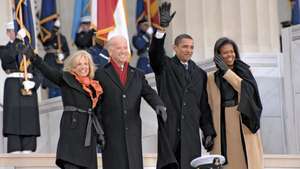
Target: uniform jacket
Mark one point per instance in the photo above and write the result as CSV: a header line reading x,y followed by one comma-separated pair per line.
x,y
84,40
99,54
20,113
50,57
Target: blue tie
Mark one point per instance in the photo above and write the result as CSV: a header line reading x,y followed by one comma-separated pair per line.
x,y
186,66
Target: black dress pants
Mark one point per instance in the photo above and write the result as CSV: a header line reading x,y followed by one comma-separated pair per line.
x,y
21,143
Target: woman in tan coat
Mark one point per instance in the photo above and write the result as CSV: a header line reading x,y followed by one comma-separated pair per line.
x,y
236,107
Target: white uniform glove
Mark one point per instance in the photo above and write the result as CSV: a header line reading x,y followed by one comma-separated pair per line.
x,y
28,84
60,56
149,31
21,33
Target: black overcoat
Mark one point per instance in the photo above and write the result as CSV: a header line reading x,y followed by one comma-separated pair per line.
x,y
186,102
20,113
120,112
73,124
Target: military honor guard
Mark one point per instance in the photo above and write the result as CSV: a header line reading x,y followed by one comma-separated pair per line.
x,y
21,123
84,36
57,50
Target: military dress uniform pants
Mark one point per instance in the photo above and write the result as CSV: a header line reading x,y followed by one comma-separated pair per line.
x,y
21,143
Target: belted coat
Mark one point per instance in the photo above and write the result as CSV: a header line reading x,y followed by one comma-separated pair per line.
x,y
71,144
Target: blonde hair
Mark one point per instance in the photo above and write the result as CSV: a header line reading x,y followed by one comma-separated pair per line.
x,y
70,62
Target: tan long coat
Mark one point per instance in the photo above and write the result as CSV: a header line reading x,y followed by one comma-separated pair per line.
x,y
235,154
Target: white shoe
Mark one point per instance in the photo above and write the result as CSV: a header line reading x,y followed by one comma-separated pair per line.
x,y
27,152
15,152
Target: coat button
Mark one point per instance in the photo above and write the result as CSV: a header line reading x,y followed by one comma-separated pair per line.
x,y
178,129
182,117
186,90
126,128
125,111
74,120
184,103
124,95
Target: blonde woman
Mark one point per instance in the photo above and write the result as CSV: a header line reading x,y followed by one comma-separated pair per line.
x,y
79,125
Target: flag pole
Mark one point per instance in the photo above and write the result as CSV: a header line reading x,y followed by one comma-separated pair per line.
x,y
24,91
148,12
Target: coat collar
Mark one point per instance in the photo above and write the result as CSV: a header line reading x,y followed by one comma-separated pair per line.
x,y
108,68
180,72
72,82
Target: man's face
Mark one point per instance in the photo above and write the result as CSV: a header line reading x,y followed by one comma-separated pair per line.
x,y
184,50
85,26
119,50
11,34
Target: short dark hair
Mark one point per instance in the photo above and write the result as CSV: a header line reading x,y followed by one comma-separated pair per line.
x,y
179,38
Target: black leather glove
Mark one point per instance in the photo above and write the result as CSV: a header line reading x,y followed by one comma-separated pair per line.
x,y
220,63
101,141
208,142
165,14
161,111
23,49
29,53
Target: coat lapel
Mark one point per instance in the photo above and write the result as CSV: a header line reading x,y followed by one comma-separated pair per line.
x,y
178,68
72,82
130,73
193,73
109,70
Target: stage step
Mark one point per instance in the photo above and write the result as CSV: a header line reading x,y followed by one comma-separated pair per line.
x,y
47,161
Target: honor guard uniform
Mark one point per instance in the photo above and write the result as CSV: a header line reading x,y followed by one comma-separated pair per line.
x,y
141,42
99,53
21,123
208,162
84,36
57,50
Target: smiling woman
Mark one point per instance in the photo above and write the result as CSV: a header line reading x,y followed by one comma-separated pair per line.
x,y
81,63
79,129
236,108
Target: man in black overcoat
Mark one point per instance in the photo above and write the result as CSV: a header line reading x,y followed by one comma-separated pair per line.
x,y
123,87
182,86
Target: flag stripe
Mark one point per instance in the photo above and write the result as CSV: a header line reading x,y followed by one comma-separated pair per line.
x,y
47,18
142,11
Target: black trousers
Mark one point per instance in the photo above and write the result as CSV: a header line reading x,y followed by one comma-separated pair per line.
x,y
177,151
21,143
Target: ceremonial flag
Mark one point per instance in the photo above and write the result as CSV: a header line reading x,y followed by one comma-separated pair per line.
x,y
81,8
109,18
295,12
24,20
147,9
47,18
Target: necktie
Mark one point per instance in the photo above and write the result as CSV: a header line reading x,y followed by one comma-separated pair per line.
x,y
186,66
186,73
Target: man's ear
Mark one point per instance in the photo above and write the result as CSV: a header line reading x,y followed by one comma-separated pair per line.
x,y
175,48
